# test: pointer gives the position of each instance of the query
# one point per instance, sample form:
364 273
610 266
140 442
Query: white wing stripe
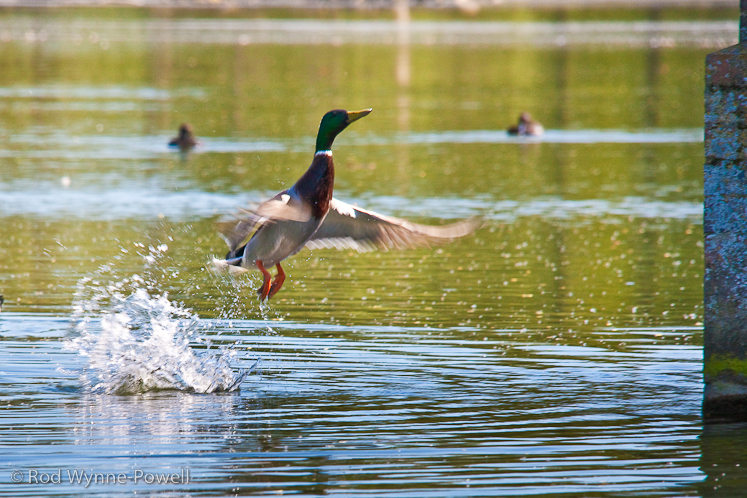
343 208
340 243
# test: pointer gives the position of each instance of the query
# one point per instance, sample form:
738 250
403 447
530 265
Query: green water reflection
545 271
595 244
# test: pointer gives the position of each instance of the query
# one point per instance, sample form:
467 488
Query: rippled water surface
557 352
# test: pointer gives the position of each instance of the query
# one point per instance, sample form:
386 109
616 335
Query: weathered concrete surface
725 227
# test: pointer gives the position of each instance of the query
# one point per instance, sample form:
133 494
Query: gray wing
350 227
284 206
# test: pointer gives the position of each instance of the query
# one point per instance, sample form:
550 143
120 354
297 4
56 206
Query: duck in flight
306 215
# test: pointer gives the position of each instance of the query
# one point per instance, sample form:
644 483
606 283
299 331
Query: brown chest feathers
315 187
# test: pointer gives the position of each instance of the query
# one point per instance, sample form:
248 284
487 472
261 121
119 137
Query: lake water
557 352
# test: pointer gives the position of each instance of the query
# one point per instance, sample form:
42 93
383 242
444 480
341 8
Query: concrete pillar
725 231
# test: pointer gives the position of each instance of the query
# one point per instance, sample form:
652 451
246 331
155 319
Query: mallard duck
527 126
186 139
306 215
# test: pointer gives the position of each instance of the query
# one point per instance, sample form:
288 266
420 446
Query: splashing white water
136 340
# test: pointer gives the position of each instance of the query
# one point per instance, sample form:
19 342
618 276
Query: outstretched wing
284 206
350 227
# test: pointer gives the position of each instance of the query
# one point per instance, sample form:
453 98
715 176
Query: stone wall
725 231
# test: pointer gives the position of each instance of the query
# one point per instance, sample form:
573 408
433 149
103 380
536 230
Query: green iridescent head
333 123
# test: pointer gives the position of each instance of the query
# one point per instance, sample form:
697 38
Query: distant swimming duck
527 126
186 139
306 215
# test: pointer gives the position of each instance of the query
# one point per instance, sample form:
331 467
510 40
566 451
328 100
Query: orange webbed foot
264 289
277 283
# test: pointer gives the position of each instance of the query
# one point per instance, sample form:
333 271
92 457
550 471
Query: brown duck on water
527 127
186 138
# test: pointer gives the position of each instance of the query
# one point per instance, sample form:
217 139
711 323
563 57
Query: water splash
239 286
136 340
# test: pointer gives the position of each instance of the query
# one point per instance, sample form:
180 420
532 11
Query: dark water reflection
557 352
